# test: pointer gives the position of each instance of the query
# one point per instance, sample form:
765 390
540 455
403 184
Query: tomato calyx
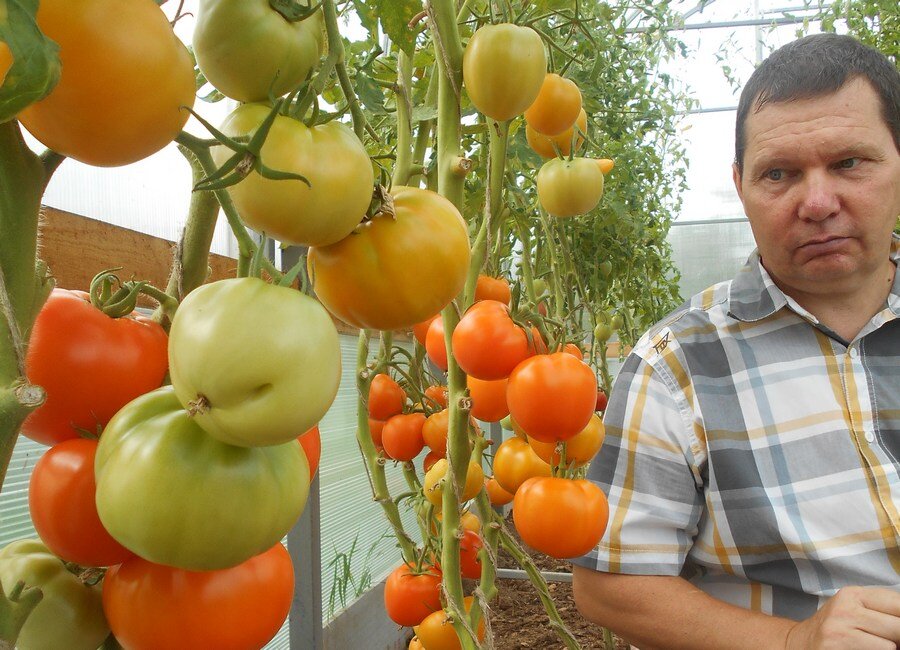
199 405
118 299
293 12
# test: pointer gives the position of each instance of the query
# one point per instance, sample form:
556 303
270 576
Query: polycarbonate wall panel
709 253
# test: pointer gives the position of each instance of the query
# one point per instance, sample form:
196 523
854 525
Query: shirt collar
754 296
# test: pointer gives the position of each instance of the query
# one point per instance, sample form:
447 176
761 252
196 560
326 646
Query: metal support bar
752 22
305 618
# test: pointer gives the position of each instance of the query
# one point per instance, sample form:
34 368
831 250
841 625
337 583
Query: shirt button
870 436
854 353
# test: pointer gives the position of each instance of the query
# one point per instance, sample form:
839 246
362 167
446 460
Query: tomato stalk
403 163
336 45
375 464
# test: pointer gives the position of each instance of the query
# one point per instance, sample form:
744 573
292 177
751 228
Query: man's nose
818 198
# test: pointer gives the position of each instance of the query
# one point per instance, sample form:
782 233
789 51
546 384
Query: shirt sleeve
648 469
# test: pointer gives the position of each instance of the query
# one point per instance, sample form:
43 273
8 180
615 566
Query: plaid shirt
754 452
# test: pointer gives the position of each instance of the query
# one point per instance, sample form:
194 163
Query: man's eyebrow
854 150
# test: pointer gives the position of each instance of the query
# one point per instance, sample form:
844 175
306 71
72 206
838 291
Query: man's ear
736 177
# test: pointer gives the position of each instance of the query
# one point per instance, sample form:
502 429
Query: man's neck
847 313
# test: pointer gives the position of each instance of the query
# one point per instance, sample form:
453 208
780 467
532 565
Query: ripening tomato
376 430
434 431
430 459
487 344
488 399
496 494
488 288
89 364
552 396
396 270
437 633
556 107
438 396
311 442
434 482
574 350
124 90
543 144
435 345
386 398
254 362
421 329
155 607
567 188
248 50
580 449
402 436
503 69
410 597
329 155
545 506
61 500
469 561
468 520
515 462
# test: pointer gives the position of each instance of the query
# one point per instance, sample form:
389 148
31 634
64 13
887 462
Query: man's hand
862 618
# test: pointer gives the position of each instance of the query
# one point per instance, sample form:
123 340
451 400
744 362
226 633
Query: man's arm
669 612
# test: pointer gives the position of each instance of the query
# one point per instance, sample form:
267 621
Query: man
752 458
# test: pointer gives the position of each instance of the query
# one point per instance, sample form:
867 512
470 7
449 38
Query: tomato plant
155 607
398 269
243 393
61 499
409 597
174 495
119 98
386 398
89 364
545 506
250 51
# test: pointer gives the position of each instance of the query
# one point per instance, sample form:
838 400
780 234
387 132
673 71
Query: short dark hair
814 66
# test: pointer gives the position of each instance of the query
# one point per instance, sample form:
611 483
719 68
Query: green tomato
567 188
606 268
70 615
256 364
329 156
602 332
617 321
540 287
176 496
246 49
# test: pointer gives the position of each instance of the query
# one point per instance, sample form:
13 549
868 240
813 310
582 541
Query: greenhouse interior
232 233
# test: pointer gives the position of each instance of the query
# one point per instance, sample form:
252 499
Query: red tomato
61 500
155 607
89 364
421 329
376 429
469 561
488 288
552 396
434 432
409 598
386 398
430 459
439 396
311 442
601 401
488 399
545 506
402 436
487 344
435 345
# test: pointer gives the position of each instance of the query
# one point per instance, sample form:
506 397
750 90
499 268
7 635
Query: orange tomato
311 442
434 432
437 633
438 395
430 459
421 329
557 106
496 494
580 449
386 398
409 597
435 345
606 165
402 436
488 288
487 344
543 144
488 399
376 428
434 483
515 462
574 350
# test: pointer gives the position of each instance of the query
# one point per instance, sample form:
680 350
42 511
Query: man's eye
775 174
848 163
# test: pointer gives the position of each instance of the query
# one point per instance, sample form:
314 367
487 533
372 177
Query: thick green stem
336 46
404 161
374 463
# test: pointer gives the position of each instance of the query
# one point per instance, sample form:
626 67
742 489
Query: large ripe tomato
488 399
248 50
487 344
61 500
437 633
70 615
402 436
515 462
155 607
386 397
175 495
330 156
435 431
488 288
503 69
395 271
434 482
435 345
552 396
126 81
569 187
545 506
580 449
497 495
410 597
556 107
311 442
89 364
263 360
543 144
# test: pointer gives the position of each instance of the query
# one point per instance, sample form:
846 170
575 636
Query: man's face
821 188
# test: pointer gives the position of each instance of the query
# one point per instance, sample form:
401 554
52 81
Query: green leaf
395 16
35 67
370 93
422 113
368 17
